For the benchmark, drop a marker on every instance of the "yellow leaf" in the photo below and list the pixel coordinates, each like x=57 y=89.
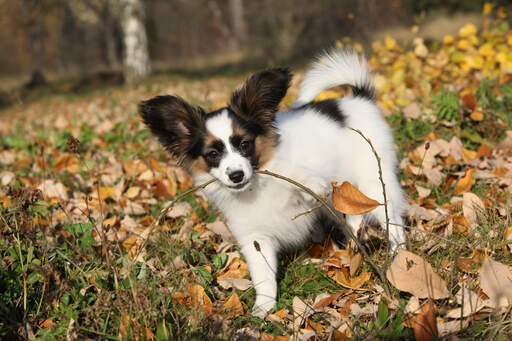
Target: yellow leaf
x=448 y=39
x=477 y=115
x=233 y=306
x=349 y=200
x=486 y=50
x=465 y=183
x=132 y=192
x=107 y=193
x=463 y=44
x=390 y=43
x=468 y=155
x=327 y=94
x=467 y=30
x=487 y=8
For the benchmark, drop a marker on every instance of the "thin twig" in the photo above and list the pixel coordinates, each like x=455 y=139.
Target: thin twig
x=306 y=212
x=340 y=220
x=381 y=181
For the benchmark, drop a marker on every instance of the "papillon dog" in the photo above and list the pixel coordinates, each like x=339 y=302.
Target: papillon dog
x=310 y=143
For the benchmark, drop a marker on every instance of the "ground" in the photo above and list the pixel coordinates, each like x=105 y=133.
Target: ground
x=87 y=253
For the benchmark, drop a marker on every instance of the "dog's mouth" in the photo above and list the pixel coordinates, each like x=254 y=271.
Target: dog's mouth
x=239 y=187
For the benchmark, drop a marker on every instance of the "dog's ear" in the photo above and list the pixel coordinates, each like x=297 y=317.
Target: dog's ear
x=178 y=125
x=261 y=94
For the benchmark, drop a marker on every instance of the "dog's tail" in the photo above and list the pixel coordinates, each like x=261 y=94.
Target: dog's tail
x=337 y=67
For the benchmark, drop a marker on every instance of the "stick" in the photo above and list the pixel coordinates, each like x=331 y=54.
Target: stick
x=340 y=220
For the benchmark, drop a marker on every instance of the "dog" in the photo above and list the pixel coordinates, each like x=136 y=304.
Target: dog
x=310 y=143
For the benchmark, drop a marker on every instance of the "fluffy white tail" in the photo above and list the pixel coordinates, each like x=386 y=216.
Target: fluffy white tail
x=334 y=68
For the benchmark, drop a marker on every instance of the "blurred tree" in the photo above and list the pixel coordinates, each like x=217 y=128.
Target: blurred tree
x=238 y=23
x=137 y=64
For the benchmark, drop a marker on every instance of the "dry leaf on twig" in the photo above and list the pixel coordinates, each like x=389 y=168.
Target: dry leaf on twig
x=349 y=200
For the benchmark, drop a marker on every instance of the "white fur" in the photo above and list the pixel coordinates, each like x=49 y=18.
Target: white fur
x=333 y=68
x=313 y=150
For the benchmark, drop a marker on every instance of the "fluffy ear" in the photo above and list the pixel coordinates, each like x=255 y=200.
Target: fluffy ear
x=261 y=94
x=178 y=125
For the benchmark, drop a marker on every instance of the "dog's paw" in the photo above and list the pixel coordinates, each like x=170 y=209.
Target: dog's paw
x=262 y=307
x=319 y=186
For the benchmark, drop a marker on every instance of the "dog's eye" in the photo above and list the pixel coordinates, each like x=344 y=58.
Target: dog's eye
x=212 y=155
x=245 y=146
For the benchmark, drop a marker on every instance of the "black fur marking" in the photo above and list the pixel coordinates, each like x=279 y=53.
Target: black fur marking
x=179 y=126
x=329 y=108
x=213 y=153
x=259 y=98
x=366 y=91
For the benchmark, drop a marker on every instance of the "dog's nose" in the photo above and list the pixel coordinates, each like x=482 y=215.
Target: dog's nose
x=236 y=176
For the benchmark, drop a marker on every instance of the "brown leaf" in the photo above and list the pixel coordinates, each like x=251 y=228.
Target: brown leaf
x=355 y=262
x=349 y=200
x=233 y=306
x=237 y=283
x=469 y=101
x=237 y=269
x=465 y=183
x=409 y=272
x=496 y=282
x=199 y=298
x=484 y=151
x=472 y=206
x=352 y=282
x=328 y=300
x=424 y=323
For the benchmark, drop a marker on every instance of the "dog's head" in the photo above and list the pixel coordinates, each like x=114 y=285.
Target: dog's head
x=229 y=143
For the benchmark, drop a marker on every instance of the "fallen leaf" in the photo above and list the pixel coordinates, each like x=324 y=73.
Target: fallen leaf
x=423 y=192
x=477 y=116
x=6 y=178
x=508 y=237
x=132 y=192
x=465 y=183
x=355 y=262
x=470 y=303
x=412 y=111
x=468 y=155
x=472 y=207
x=324 y=302
x=469 y=101
x=410 y=273
x=236 y=283
x=199 y=298
x=180 y=209
x=107 y=193
x=52 y=189
x=424 y=323
x=233 y=306
x=352 y=282
x=349 y=200
x=496 y=282
x=237 y=269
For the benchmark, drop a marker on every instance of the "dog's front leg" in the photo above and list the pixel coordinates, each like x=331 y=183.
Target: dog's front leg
x=261 y=257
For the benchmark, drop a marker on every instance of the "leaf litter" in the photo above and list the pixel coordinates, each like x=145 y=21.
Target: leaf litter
x=97 y=176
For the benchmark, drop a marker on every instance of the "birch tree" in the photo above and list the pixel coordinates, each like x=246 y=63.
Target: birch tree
x=137 y=64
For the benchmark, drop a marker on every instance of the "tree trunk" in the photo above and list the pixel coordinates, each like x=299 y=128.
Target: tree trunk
x=238 y=23
x=137 y=64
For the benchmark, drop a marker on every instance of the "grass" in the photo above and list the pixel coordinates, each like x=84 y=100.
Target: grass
x=67 y=274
